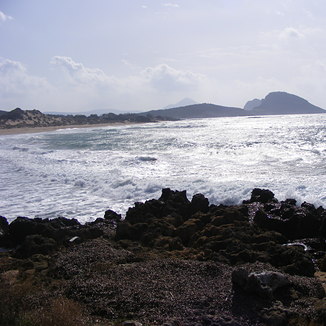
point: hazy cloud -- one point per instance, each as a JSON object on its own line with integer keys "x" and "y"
{"x": 9, "y": 66}
{"x": 171, "y": 5}
{"x": 17, "y": 86}
{"x": 78, "y": 72}
{"x": 4, "y": 17}
{"x": 167, "y": 78}
{"x": 291, "y": 33}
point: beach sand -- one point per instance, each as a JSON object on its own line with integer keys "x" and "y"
{"x": 29, "y": 130}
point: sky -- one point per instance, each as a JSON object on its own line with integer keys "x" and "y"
{"x": 136, "y": 55}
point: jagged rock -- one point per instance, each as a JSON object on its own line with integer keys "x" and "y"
{"x": 263, "y": 284}
{"x": 176, "y": 201}
{"x": 199, "y": 203}
{"x": 4, "y": 228}
{"x": 3, "y": 225}
{"x": 36, "y": 244}
{"x": 112, "y": 216}
{"x": 20, "y": 228}
{"x": 292, "y": 223}
{"x": 262, "y": 196}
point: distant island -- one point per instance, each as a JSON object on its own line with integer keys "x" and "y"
{"x": 275, "y": 103}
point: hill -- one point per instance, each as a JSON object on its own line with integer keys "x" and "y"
{"x": 19, "y": 118}
{"x": 198, "y": 111}
{"x": 283, "y": 103}
{"x": 184, "y": 102}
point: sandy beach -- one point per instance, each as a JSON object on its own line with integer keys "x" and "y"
{"x": 29, "y": 130}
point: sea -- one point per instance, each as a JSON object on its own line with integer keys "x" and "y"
{"x": 80, "y": 173}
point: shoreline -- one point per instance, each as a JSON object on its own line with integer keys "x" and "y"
{"x": 32, "y": 130}
{"x": 250, "y": 267}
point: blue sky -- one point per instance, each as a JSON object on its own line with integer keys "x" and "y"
{"x": 132, "y": 55}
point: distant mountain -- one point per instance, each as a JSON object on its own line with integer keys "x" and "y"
{"x": 252, "y": 104}
{"x": 184, "y": 102}
{"x": 198, "y": 111}
{"x": 284, "y": 103}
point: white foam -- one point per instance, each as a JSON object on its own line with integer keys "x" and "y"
{"x": 82, "y": 172}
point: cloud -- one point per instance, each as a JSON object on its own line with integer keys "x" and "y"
{"x": 4, "y": 17}
{"x": 9, "y": 66}
{"x": 291, "y": 33}
{"x": 171, "y": 5}
{"x": 78, "y": 72}
{"x": 80, "y": 88}
{"x": 166, "y": 78}
{"x": 17, "y": 87}
{"x": 144, "y": 6}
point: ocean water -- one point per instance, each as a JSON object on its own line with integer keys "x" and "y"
{"x": 79, "y": 173}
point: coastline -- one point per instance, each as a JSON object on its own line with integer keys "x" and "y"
{"x": 30, "y": 130}
{"x": 171, "y": 261}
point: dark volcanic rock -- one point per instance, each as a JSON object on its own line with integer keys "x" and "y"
{"x": 44, "y": 235}
{"x": 220, "y": 233}
{"x": 199, "y": 204}
{"x": 173, "y": 262}
{"x": 292, "y": 221}
{"x": 112, "y": 216}
{"x": 263, "y": 284}
{"x": 262, "y": 196}
{"x": 36, "y": 244}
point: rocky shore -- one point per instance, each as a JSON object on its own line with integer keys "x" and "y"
{"x": 171, "y": 261}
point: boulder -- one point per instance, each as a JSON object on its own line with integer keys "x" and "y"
{"x": 22, "y": 227}
{"x": 112, "y": 216}
{"x": 263, "y": 284}
{"x": 199, "y": 203}
{"x": 262, "y": 196}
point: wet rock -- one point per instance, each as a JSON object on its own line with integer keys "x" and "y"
{"x": 199, "y": 203}
{"x": 4, "y": 236}
{"x": 61, "y": 222}
{"x": 291, "y": 222}
{"x": 262, "y": 196}
{"x": 263, "y": 284}
{"x": 176, "y": 201}
{"x": 268, "y": 223}
{"x": 3, "y": 225}
{"x": 22, "y": 227}
{"x": 112, "y": 216}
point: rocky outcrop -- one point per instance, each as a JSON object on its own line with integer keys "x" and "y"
{"x": 221, "y": 233}
{"x": 171, "y": 261}
{"x": 43, "y": 236}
